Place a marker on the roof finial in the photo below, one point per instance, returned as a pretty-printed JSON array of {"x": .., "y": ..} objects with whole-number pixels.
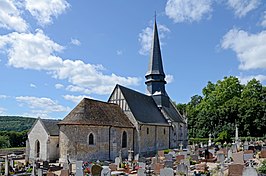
[{"x": 155, "y": 15}]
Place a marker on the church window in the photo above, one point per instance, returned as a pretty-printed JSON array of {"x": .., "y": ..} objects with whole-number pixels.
[
  {"x": 124, "y": 140},
  {"x": 91, "y": 139},
  {"x": 148, "y": 130},
  {"x": 37, "y": 148}
]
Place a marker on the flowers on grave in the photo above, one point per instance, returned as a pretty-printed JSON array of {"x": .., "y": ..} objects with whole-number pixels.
[{"x": 87, "y": 170}]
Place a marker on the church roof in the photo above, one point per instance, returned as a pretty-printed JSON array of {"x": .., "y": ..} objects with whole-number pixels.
[
  {"x": 93, "y": 112},
  {"x": 143, "y": 107},
  {"x": 172, "y": 113},
  {"x": 155, "y": 65},
  {"x": 51, "y": 126}
]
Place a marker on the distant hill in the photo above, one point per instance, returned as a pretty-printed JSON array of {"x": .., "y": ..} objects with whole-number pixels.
[{"x": 15, "y": 123}]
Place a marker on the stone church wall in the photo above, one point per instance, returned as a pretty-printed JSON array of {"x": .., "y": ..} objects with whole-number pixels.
[
  {"x": 74, "y": 142},
  {"x": 38, "y": 133},
  {"x": 53, "y": 148}
]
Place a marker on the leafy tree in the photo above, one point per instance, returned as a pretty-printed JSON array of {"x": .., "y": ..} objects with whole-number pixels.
[
  {"x": 4, "y": 142},
  {"x": 223, "y": 137}
]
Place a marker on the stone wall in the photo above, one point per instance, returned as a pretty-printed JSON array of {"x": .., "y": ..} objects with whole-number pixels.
[
  {"x": 38, "y": 133},
  {"x": 107, "y": 142},
  {"x": 153, "y": 138},
  {"x": 53, "y": 148}
]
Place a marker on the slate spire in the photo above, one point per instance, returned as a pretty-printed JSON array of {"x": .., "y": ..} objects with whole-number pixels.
[{"x": 155, "y": 77}]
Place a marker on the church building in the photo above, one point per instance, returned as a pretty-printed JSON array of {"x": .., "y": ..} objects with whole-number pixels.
[{"x": 129, "y": 120}]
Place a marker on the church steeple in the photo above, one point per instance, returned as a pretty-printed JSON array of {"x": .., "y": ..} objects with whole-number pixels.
[{"x": 155, "y": 77}]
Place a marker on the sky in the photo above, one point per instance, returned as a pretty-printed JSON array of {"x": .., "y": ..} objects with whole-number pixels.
[{"x": 55, "y": 52}]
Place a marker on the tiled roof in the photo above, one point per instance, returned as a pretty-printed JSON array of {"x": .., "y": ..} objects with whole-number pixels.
[
  {"x": 143, "y": 107},
  {"x": 93, "y": 112},
  {"x": 51, "y": 126}
]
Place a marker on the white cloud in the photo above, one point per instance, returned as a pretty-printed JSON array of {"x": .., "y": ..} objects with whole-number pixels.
[
  {"x": 37, "y": 52},
  {"x": 59, "y": 86},
  {"x": 73, "y": 98},
  {"x": 41, "y": 106},
  {"x": 242, "y": 7},
  {"x": 145, "y": 38},
  {"x": 44, "y": 10},
  {"x": 33, "y": 85},
  {"x": 169, "y": 78},
  {"x": 3, "y": 96},
  {"x": 75, "y": 42},
  {"x": 246, "y": 79},
  {"x": 187, "y": 10},
  {"x": 249, "y": 48},
  {"x": 263, "y": 22},
  {"x": 10, "y": 17}
]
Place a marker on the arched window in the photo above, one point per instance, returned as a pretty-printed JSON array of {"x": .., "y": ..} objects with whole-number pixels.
[
  {"x": 91, "y": 139},
  {"x": 124, "y": 140},
  {"x": 37, "y": 148}
]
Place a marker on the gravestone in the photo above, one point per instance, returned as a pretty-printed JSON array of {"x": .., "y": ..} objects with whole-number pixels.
[
  {"x": 183, "y": 153},
  {"x": 263, "y": 154},
  {"x": 250, "y": 171},
  {"x": 11, "y": 163},
  {"x": 40, "y": 172},
  {"x": 235, "y": 170},
  {"x": 167, "y": 172},
  {"x": 195, "y": 157},
  {"x": 238, "y": 158},
  {"x": 245, "y": 145},
  {"x": 79, "y": 169},
  {"x": 172, "y": 153},
  {"x": 263, "y": 147},
  {"x": 136, "y": 157},
  {"x": 153, "y": 162},
  {"x": 157, "y": 168},
  {"x": 113, "y": 167},
  {"x": 168, "y": 164},
  {"x": 6, "y": 166},
  {"x": 117, "y": 161},
  {"x": 106, "y": 172},
  {"x": 234, "y": 148},
  {"x": 230, "y": 154},
  {"x": 96, "y": 169},
  {"x": 220, "y": 157},
  {"x": 64, "y": 172},
  {"x": 248, "y": 154},
  {"x": 182, "y": 168},
  {"x": 46, "y": 165},
  {"x": 212, "y": 151},
  {"x": 141, "y": 172},
  {"x": 168, "y": 157}
]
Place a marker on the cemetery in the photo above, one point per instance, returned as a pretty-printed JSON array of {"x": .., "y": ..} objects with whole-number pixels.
[{"x": 239, "y": 158}]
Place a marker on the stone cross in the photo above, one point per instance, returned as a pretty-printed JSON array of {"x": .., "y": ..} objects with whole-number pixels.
[
  {"x": 130, "y": 152},
  {"x": 210, "y": 140},
  {"x": 181, "y": 146},
  {"x": 120, "y": 155}
]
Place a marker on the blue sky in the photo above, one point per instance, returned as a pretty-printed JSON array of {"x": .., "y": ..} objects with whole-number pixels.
[{"x": 54, "y": 52}]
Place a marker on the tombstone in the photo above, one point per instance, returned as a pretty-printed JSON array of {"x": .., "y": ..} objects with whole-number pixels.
[
  {"x": 117, "y": 161},
  {"x": 235, "y": 169},
  {"x": 130, "y": 152},
  {"x": 120, "y": 155},
  {"x": 142, "y": 165},
  {"x": 96, "y": 170},
  {"x": 168, "y": 157},
  {"x": 182, "y": 168},
  {"x": 136, "y": 157},
  {"x": 238, "y": 158},
  {"x": 106, "y": 163},
  {"x": 263, "y": 147},
  {"x": 220, "y": 157},
  {"x": 248, "y": 154},
  {"x": 157, "y": 168},
  {"x": 106, "y": 172},
  {"x": 212, "y": 151},
  {"x": 141, "y": 172},
  {"x": 46, "y": 165},
  {"x": 113, "y": 167},
  {"x": 79, "y": 168},
  {"x": 40, "y": 172},
  {"x": 172, "y": 153},
  {"x": 183, "y": 153},
  {"x": 210, "y": 140},
  {"x": 250, "y": 171},
  {"x": 230, "y": 154},
  {"x": 234, "y": 148},
  {"x": 245, "y": 145},
  {"x": 167, "y": 172},
  {"x": 168, "y": 164},
  {"x": 64, "y": 172},
  {"x": 263, "y": 154},
  {"x": 11, "y": 163},
  {"x": 6, "y": 166}
]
